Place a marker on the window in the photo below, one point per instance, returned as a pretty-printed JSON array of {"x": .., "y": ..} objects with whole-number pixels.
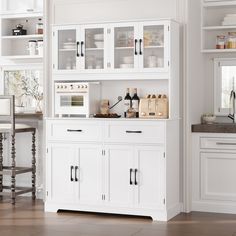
[
  {"x": 224, "y": 83},
  {"x": 26, "y": 84}
]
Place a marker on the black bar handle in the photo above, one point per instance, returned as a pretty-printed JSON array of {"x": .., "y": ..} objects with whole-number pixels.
[
  {"x": 74, "y": 130},
  {"x": 135, "y": 176},
  {"x": 140, "y": 47},
  {"x": 71, "y": 173},
  {"x": 77, "y": 49},
  {"x": 133, "y": 131},
  {"x": 130, "y": 176},
  {"x": 135, "y": 47},
  {"x": 81, "y": 53},
  {"x": 76, "y": 178}
]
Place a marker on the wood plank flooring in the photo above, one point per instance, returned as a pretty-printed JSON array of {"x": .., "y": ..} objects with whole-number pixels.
[{"x": 29, "y": 219}]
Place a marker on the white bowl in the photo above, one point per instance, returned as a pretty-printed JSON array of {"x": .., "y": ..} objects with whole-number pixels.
[
  {"x": 98, "y": 37},
  {"x": 99, "y": 44},
  {"x": 128, "y": 60}
]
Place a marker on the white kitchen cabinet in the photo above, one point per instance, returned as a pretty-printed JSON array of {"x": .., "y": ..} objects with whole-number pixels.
[
  {"x": 119, "y": 174},
  {"x": 122, "y": 176},
  {"x": 213, "y": 179},
  {"x": 60, "y": 169},
  {"x": 149, "y": 177},
  {"x": 80, "y": 48},
  {"x": 75, "y": 173},
  {"x": 21, "y": 6},
  {"x": 113, "y": 47}
]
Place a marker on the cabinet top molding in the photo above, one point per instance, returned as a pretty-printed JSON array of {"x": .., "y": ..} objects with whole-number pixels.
[{"x": 120, "y": 21}]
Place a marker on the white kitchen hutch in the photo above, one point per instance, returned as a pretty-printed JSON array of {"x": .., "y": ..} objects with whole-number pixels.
[{"x": 124, "y": 166}]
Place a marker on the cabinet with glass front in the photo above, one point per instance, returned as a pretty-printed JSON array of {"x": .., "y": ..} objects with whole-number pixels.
[{"x": 114, "y": 47}]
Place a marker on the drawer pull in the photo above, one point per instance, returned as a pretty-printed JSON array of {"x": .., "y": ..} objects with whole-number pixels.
[
  {"x": 75, "y": 130},
  {"x": 228, "y": 144},
  {"x": 133, "y": 132}
]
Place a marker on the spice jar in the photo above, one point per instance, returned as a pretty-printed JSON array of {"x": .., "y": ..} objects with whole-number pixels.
[
  {"x": 231, "y": 41},
  {"x": 220, "y": 42},
  {"x": 39, "y": 27}
]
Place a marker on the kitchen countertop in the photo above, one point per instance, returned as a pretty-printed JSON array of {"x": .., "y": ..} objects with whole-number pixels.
[{"x": 214, "y": 128}]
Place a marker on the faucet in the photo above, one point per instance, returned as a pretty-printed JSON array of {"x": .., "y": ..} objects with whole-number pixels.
[{"x": 232, "y": 104}]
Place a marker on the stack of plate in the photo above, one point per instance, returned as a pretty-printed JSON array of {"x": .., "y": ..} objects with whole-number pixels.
[
  {"x": 229, "y": 19},
  {"x": 99, "y": 40},
  {"x": 69, "y": 45}
]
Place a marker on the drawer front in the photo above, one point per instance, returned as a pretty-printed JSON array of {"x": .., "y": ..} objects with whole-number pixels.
[
  {"x": 135, "y": 132},
  {"x": 218, "y": 143},
  {"x": 79, "y": 131}
]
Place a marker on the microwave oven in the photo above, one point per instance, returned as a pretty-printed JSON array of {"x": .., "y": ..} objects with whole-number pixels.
[{"x": 76, "y": 99}]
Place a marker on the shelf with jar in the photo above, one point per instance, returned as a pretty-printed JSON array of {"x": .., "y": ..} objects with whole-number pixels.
[
  {"x": 22, "y": 38},
  {"x": 218, "y": 26}
]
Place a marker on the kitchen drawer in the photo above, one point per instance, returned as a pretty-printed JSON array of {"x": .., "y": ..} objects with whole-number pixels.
[
  {"x": 135, "y": 132},
  {"x": 218, "y": 143},
  {"x": 80, "y": 131}
]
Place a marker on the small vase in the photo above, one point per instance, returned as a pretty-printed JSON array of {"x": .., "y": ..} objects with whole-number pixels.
[{"x": 38, "y": 108}]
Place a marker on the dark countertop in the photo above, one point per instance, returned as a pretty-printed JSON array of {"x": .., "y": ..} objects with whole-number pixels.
[
  {"x": 214, "y": 128},
  {"x": 38, "y": 116}
]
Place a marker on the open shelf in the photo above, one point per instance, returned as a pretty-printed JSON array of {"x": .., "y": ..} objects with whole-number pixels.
[
  {"x": 22, "y": 57},
  {"x": 35, "y": 36},
  {"x": 218, "y": 50},
  {"x": 219, "y": 27},
  {"x": 22, "y": 15},
  {"x": 123, "y": 48}
]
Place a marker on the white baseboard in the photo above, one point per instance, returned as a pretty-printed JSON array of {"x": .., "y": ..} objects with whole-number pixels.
[{"x": 215, "y": 207}]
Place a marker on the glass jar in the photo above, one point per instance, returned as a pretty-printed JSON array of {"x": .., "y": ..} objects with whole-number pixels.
[
  {"x": 231, "y": 41},
  {"x": 220, "y": 42},
  {"x": 39, "y": 27}
]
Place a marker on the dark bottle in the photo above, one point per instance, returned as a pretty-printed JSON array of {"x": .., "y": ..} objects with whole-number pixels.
[
  {"x": 135, "y": 102},
  {"x": 127, "y": 102}
]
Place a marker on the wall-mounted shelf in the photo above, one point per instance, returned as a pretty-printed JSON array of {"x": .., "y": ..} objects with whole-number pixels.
[
  {"x": 34, "y": 36},
  {"x": 214, "y": 17},
  {"x": 22, "y": 57},
  {"x": 20, "y": 16}
]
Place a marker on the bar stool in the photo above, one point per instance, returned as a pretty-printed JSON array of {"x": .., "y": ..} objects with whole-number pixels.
[{"x": 8, "y": 126}]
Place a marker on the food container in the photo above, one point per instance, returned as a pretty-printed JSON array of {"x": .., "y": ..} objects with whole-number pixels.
[
  {"x": 231, "y": 40},
  {"x": 40, "y": 47},
  {"x": 220, "y": 42},
  {"x": 39, "y": 27},
  {"x": 32, "y": 47},
  {"x": 19, "y": 30}
]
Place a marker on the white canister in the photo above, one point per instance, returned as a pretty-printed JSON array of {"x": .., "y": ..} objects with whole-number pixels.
[
  {"x": 40, "y": 47},
  {"x": 32, "y": 47}
]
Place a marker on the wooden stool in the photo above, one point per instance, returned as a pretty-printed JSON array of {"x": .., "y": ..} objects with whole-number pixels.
[{"x": 8, "y": 126}]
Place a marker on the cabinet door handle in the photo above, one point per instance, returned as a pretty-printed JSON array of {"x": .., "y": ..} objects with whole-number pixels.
[
  {"x": 135, "y": 47},
  {"x": 140, "y": 47},
  {"x": 228, "y": 144},
  {"x": 71, "y": 173},
  {"x": 135, "y": 177},
  {"x": 77, "y": 49},
  {"x": 76, "y": 178},
  {"x": 74, "y": 130},
  {"x": 130, "y": 176},
  {"x": 81, "y": 53},
  {"x": 133, "y": 131}
]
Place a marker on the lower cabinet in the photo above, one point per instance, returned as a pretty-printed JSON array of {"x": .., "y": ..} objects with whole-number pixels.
[
  {"x": 112, "y": 177},
  {"x": 214, "y": 173},
  {"x": 74, "y": 173}
]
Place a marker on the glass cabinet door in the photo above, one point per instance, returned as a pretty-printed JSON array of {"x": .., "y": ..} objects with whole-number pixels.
[
  {"x": 67, "y": 49},
  {"x": 92, "y": 48},
  {"x": 125, "y": 47},
  {"x": 153, "y": 46}
]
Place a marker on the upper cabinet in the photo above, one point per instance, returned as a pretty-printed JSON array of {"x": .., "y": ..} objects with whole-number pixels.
[
  {"x": 21, "y": 6},
  {"x": 112, "y": 48}
]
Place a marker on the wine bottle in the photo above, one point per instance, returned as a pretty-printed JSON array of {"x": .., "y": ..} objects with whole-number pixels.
[
  {"x": 127, "y": 102},
  {"x": 135, "y": 102}
]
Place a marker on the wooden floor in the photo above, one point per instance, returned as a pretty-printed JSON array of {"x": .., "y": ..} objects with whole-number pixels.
[{"x": 28, "y": 218}]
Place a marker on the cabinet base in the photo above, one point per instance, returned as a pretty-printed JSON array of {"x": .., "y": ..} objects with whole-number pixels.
[{"x": 156, "y": 215}]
